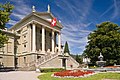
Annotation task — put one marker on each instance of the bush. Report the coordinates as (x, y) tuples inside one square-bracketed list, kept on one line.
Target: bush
[(51, 69)]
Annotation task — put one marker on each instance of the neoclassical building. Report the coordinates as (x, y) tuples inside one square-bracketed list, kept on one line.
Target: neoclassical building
[(33, 42)]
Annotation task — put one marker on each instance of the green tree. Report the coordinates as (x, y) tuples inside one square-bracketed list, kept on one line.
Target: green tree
[(66, 49), (105, 39), (78, 59), (5, 12)]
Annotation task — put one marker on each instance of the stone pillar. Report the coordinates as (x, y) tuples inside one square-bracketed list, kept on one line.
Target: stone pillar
[(53, 41), (13, 45), (29, 39), (33, 38), (43, 39), (59, 42)]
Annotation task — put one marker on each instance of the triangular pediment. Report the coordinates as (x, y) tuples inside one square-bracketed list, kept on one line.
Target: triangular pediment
[(45, 16)]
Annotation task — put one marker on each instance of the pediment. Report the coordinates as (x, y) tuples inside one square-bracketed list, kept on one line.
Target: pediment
[(44, 17)]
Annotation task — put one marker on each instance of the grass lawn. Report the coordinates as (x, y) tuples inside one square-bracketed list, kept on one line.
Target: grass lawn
[(100, 76)]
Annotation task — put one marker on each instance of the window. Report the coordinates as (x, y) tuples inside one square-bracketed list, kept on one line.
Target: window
[(24, 45), (24, 36), (9, 47), (24, 59), (50, 34), (38, 57)]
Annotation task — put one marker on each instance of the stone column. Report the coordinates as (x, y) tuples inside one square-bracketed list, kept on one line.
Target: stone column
[(59, 42), (53, 41), (13, 45), (43, 39), (33, 38), (29, 39)]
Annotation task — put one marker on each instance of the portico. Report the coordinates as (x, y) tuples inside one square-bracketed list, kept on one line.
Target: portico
[(45, 37)]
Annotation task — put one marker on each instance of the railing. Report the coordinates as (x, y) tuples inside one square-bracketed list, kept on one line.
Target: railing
[(41, 60), (46, 58)]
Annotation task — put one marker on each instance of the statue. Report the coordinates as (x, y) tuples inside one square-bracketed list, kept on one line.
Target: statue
[(33, 9), (100, 57)]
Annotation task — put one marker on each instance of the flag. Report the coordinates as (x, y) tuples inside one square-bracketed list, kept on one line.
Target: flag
[(53, 22)]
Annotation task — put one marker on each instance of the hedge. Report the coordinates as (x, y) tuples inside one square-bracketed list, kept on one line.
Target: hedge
[(51, 69)]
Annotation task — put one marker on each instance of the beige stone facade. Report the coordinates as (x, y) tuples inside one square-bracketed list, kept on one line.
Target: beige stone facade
[(34, 42)]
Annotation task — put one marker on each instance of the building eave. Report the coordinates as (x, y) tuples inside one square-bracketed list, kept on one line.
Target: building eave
[(9, 33)]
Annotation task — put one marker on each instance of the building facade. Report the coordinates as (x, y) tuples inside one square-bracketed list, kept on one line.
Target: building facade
[(33, 42)]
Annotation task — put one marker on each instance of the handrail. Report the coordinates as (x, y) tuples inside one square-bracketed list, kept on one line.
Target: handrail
[(41, 60)]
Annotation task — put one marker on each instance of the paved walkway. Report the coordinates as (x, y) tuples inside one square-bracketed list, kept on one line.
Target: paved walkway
[(19, 75)]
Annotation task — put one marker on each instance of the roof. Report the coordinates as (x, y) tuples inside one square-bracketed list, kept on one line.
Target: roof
[(10, 33), (40, 15)]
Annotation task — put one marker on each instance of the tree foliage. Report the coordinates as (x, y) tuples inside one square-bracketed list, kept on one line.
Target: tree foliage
[(5, 12), (79, 59), (106, 39), (66, 49)]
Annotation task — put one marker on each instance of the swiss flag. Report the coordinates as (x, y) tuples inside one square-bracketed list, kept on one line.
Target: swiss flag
[(53, 22)]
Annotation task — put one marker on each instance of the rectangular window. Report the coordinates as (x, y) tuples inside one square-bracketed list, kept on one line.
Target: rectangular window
[(9, 47), (24, 59), (50, 34), (25, 45)]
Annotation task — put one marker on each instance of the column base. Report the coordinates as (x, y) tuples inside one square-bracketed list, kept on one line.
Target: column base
[(34, 52), (42, 52), (52, 52)]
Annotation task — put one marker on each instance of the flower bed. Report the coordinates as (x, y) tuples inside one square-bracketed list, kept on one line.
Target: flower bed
[(73, 73)]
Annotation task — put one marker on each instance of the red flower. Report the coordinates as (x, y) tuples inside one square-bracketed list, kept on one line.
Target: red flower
[(74, 73)]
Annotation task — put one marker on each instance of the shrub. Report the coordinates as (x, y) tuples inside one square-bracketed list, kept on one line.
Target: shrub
[(51, 69)]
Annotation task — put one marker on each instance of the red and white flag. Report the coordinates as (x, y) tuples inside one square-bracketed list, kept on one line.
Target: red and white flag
[(53, 22)]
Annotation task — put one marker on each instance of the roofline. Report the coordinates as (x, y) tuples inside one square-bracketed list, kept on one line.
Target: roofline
[(34, 13), (9, 32), (20, 21)]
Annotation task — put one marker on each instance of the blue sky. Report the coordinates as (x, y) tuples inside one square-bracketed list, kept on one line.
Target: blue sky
[(79, 17)]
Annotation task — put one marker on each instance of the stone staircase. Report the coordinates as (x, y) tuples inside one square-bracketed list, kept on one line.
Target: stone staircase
[(37, 63)]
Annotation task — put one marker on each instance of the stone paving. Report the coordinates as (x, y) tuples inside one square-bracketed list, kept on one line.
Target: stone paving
[(19, 75)]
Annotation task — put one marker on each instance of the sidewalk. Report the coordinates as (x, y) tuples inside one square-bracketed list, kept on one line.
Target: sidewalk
[(19, 75)]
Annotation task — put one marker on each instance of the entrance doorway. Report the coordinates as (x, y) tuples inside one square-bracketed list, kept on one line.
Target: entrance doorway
[(64, 62)]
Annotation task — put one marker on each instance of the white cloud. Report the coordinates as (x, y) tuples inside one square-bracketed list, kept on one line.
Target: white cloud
[(12, 22), (76, 38), (76, 11), (116, 9), (20, 11), (106, 11)]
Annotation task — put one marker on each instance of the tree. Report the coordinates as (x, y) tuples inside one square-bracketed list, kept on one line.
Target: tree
[(78, 59), (5, 12), (66, 49), (106, 39)]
